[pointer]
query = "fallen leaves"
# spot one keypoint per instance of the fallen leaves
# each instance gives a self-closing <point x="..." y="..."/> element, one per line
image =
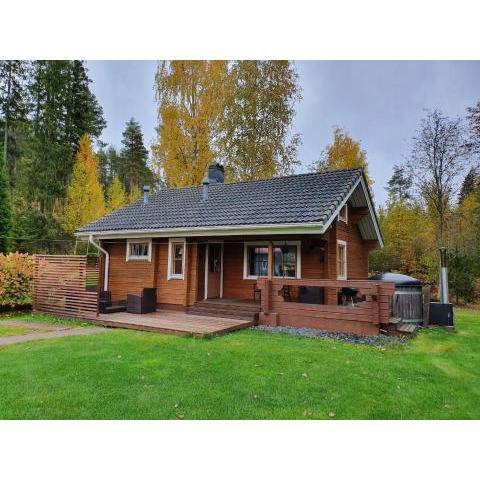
<point x="331" y="414"/>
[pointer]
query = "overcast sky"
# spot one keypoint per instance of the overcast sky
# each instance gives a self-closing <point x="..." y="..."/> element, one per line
<point x="379" y="103"/>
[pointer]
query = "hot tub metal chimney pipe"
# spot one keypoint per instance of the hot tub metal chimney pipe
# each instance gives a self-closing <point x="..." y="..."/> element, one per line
<point x="443" y="276"/>
<point x="146" y="191"/>
<point x="206" y="183"/>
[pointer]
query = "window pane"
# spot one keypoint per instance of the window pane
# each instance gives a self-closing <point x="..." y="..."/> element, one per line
<point x="285" y="261"/>
<point x="257" y="261"/>
<point x="341" y="260"/>
<point x="214" y="258"/>
<point x="177" y="258"/>
<point x="139" y="249"/>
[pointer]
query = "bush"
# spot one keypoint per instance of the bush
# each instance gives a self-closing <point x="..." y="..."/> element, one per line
<point x="16" y="279"/>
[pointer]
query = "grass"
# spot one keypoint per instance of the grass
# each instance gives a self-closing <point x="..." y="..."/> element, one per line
<point x="122" y="374"/>
<point x="40" y="318"/>
<point x="10" y="330"/>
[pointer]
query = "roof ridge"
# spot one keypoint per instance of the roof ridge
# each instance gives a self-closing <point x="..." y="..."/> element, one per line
<point x="305" y="174"/>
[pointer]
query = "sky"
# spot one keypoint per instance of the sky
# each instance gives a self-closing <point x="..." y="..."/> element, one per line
<point x="380" y="103"/>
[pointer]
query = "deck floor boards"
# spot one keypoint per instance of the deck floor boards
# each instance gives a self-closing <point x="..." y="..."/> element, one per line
<point x="168" y="321"/>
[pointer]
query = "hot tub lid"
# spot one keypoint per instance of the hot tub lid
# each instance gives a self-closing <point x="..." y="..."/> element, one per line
<point x="399" y="279"/>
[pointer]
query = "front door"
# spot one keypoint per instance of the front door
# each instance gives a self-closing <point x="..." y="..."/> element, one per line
<point x="213" y="267"/>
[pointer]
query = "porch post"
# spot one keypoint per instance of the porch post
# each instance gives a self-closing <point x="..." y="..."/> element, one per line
<point x="270" y="261"/>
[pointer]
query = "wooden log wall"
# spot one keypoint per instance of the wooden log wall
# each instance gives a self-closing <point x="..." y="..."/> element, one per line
<point x="60" y="286"/>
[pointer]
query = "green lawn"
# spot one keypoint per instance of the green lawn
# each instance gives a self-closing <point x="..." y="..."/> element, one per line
<point x="243" y="375"/>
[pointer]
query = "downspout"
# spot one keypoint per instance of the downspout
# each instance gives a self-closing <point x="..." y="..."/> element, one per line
<point x="107" y="262"/>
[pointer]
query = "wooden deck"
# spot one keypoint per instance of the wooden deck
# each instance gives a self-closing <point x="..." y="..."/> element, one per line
<point x="172" y="322"/>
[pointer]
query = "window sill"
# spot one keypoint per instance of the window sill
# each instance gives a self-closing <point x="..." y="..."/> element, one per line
<point x="275" y="277"/>
<point x="175" y="277"/>
<point x="138" y="259"/>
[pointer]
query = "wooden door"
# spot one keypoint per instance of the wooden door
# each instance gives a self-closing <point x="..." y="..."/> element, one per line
<point x="214" y="269"/>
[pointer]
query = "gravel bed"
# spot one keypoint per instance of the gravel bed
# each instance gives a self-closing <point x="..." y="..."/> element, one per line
<point x="381" y="340"/>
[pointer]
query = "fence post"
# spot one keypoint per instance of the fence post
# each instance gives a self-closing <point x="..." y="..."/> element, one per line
<point x="376" y="303"/>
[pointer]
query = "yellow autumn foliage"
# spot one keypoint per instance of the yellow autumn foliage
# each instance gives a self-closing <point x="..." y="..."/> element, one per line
<point x="116" y="197"/>
<point x="190" y="94"/>
<point x="85" y="201"/>
<point x="344" y="152"/>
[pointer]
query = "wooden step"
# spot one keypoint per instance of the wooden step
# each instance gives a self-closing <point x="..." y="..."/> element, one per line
<point x="408" y="328"/>
<point x="240" y="306"/>
<point x="225" y="313"/>
<point x="253" y="317"/>
<point x="394" y="320"/>
<point x="225" y="310"/>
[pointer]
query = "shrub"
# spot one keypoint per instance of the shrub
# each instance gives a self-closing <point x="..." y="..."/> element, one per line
<point x="16" y="279"/>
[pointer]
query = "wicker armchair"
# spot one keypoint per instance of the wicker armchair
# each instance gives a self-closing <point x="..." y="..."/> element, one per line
<point x="143" y="303"/>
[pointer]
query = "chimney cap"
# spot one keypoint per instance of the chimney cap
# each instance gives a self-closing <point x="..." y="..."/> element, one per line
<point x="206" y="181"/>
<point x="146" y="188"/>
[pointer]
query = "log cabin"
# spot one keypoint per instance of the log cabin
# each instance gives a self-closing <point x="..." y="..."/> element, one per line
<point x="288" y="251"/>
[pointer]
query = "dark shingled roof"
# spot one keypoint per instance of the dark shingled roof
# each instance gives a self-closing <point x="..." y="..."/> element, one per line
<point x="310" y="197"/>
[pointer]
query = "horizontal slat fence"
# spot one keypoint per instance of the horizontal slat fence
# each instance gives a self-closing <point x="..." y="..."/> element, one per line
<point x="363" y="317"/>
<point x="60" y="286"/>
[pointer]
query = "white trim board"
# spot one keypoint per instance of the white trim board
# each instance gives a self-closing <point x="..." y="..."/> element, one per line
<point x="170" y="275"/>
<point x="133" y="258"/>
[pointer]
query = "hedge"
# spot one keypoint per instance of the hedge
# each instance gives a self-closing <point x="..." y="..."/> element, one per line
<point x="16" y="280"/>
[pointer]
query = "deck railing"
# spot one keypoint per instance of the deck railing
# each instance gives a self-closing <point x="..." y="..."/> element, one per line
<point x="287" y="302"/>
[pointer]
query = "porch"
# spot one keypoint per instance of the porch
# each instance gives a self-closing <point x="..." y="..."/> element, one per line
<point x="173" y="322"/>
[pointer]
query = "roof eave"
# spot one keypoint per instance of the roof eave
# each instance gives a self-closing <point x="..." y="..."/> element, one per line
<point x="224" y="230"/>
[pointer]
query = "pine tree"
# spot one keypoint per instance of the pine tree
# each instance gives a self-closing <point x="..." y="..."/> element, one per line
<point x="255" y="135"/>
<point x="85" y="200"/>
<point x="344" y="152"/>
<point x="116" y="197"/>
<point x="5" y="210"/>
<point x="133" y="170"/>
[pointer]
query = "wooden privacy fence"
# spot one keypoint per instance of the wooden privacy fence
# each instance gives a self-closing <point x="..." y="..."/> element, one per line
<point x="66" y="286"/>
<point x="283" y="304"/>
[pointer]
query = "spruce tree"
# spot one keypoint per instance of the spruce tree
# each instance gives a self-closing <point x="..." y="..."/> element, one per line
<point x="468" y="185"/>
<point x="5" y="209"/>
<point x="64" y="110"/>
<point x="133" y="170"/>
<point x="116" y="197"/>
<point x="85" y="201"/>
<point x="15" y="106"/>
<point x="399" y="186"/>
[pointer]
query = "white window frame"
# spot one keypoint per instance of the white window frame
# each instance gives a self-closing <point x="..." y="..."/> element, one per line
<point x="344" y="244"/>
<point x="137" y="258"/>
<point x="170" y="274"/>
<point x="343" y="218"/>
<point x="278" y="243"/>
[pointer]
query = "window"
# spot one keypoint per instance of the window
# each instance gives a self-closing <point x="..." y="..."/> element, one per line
<point x="214" y="258"/>
<point x="139" y="250"/>
<point x="257" y="261"/>
<point x="176" y="258"/>
<point x="286" y="259"/>
<point x="343" y="214"/>
<point x="341" y="260"/>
